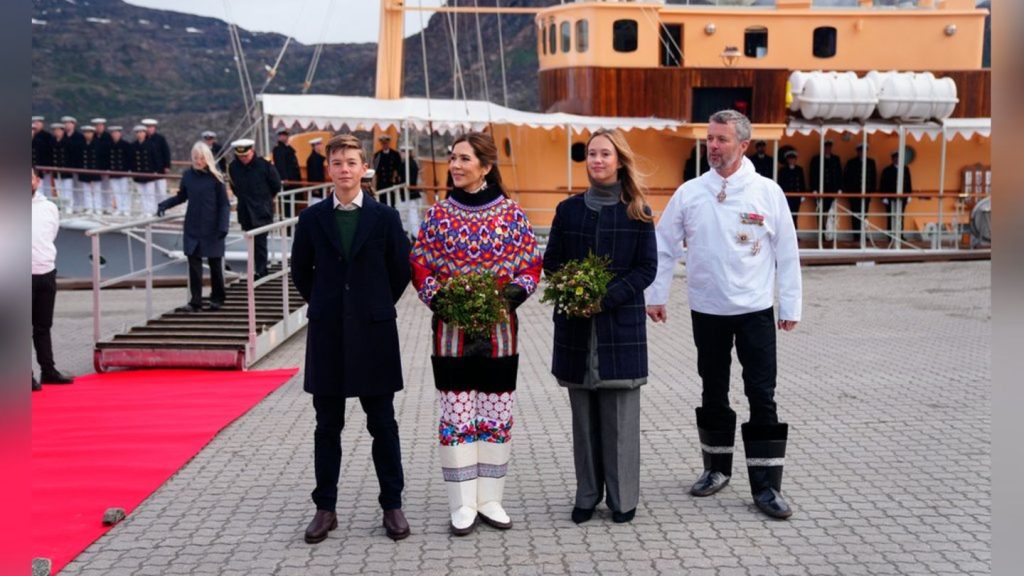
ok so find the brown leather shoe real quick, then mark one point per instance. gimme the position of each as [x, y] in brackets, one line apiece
[322, 523]
[395, 525]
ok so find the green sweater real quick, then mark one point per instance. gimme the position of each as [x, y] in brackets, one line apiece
[346, 222]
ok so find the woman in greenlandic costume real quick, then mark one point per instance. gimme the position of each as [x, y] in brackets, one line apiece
[602, 359]
[477, 229]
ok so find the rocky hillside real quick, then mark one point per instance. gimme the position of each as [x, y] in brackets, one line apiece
[107, 58]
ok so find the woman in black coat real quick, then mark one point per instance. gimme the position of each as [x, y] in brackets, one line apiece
[206, 225]
[602, 360]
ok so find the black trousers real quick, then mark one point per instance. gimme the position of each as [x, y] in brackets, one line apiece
[754, 334]
[794, 207]
[195, 280]
[44, 297]
[260, 248]
[386, 449]
[855, 207]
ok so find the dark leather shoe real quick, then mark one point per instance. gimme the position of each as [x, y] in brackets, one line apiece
[622, 517]
[771, 502]
[36, 386]
[56, 377]
[395, 525]
[188, 309]
[214, 306]
[709, 483]
[322, 523]
[581, 515]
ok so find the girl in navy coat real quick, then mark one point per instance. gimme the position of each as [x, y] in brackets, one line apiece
[206, 225]
[602, 360]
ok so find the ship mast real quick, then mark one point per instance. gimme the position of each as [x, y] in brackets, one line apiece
[389, 50]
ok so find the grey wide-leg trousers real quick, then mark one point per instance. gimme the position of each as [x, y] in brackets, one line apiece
[606, 446]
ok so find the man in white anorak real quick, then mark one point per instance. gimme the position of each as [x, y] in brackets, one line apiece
[740, 246]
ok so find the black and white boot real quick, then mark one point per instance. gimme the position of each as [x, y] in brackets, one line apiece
[717, 430]
[766, 455]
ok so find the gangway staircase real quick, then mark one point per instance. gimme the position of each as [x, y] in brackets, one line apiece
[256, 317]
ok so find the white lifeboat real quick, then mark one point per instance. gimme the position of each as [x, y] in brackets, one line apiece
[913, 95]
[832, 95]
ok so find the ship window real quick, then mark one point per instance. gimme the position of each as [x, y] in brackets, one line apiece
[578, 152]
[543, 39]
[566, 36]
[672, 45]
[755, 42]
[552, 39]
[824, 42]
[624, 35]
[582, 32]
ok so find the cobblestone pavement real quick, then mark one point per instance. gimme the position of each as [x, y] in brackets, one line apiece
[885, 385]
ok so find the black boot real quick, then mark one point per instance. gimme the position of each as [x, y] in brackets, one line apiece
[766, 454]
[717, 431]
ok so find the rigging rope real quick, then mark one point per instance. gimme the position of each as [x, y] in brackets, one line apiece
[501, 52]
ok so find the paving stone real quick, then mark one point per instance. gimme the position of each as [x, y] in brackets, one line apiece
[885, 385]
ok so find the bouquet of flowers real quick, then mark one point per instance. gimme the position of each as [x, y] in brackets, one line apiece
[578, 288]
[472, 302]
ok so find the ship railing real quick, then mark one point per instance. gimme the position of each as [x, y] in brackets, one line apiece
[65, 188]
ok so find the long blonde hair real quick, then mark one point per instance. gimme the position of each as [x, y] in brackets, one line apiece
[634, 193]
[207, 154]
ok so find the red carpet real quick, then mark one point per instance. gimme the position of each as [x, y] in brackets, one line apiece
[112, 439]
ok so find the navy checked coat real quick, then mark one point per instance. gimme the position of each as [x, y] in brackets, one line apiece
[622, 324]
[352, 338]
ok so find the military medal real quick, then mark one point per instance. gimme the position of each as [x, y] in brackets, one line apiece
[752, 218]
[721, 193]
[756, 247]
[743, 237]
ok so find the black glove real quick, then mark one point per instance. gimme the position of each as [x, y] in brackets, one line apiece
[515, 295]
[159, 211]
[435, 302]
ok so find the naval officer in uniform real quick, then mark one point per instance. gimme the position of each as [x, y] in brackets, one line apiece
[741, 244]
[254, 182]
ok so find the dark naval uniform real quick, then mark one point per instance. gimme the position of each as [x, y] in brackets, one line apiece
[852, 185]
[315, 167]
[42, 148]
[888, 184]
[255, 184]
[763, 164]
[833, 177]
[387, 163]
[791, 179]
[286, 162]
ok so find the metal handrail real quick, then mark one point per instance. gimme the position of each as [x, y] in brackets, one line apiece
[252, 282]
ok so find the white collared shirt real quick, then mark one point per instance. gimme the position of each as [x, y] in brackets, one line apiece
[732, 264]
[45, 225]
[357, 202]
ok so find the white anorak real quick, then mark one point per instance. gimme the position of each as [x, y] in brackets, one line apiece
[732, 262]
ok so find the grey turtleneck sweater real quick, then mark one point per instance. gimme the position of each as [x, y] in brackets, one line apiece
[600, 195]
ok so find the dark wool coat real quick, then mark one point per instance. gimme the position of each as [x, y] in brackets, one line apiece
[161, 151]
[352, 338]
[255, 184]
[621, 325]
[207, 214]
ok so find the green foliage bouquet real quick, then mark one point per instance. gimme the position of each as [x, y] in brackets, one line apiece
[578, 287]
[472, 302]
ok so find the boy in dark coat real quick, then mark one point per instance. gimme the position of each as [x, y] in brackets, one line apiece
[350, 262]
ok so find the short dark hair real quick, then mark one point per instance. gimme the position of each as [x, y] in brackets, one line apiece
[345, 142]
